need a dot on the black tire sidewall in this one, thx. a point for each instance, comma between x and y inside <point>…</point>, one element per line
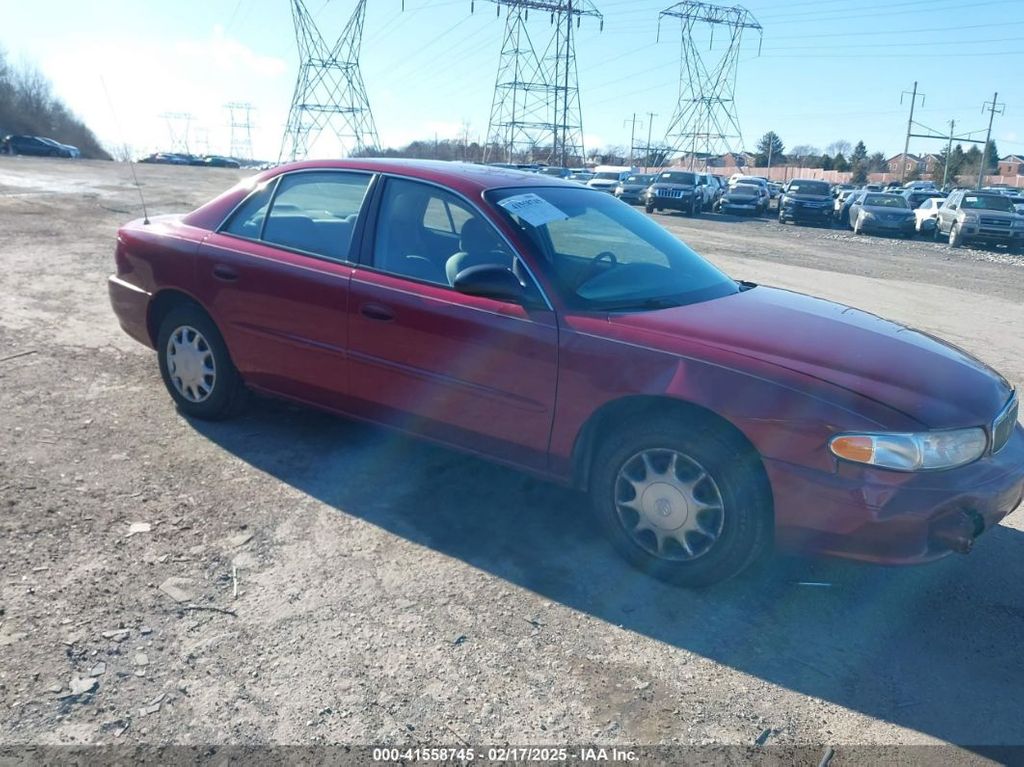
<point>227,383</point>
<point>736,470</point>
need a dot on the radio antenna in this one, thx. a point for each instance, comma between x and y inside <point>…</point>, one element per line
<point>124,145</point>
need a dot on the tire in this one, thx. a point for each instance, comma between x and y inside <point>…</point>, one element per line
<point>210,387</point>
<point>649,208</point>
<point>782,219</point>
<point>857,226</point>
<point>955,238</point>
<point>733,489</point>
<point>694,208</point>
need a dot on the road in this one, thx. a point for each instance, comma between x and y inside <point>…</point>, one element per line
<point>395,592</point>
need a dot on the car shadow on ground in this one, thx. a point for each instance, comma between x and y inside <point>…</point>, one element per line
<point>936,649</point>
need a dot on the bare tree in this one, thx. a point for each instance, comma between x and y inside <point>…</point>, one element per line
<point>842,146</point>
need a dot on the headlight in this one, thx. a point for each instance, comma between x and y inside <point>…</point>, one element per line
<point>867,213</point>
<point>912,452</point>
<point>1018,224</point>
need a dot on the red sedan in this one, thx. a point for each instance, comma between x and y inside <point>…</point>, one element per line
<point>554,328</point>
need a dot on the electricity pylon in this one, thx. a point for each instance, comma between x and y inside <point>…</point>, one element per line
<point>179,126</point>
<point>329,92</point>
<point>535,114</point>
<point>240,121</point>
<point>705,121</point>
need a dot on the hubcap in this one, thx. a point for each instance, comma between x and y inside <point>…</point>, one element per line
<point>669,505</point>
<point>190,364</point>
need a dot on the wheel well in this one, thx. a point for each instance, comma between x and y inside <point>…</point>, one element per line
<point>161,306</point>
<point>629,408</point>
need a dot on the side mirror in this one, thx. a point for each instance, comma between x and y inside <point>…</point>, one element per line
<point>490,281</point>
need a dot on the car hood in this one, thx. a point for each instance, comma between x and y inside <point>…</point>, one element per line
<point>926,379</point>
<point>810,197</point>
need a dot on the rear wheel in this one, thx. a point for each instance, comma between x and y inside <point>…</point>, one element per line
<point>195,365</point>
<point>682,500</point>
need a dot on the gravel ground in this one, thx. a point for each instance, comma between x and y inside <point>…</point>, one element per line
<point>288,577</point>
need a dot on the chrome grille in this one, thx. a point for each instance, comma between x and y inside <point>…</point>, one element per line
<point>989,221</point>
<point>1002,427</point>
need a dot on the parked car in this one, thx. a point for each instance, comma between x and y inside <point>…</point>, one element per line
<point>837,189</point>
<point>581,176</point>
<point>632,188</point>
<point>1018,203</point>
<point>873,188</point>
<point>926,213</point>
<point>919,185</point>
<point>775,190</point>
<point>33,146</point>
<point>674,190</point>
<point>839,212</point>
<point>882,212</point>
<point>968,216</point>
<point>551,328</point>
<point>66,150</point>
<point>166,158</point>
<point>556,171</point>
<point>216,161</point>
<point>749,199</point>
<point>709,190</point>
<point>916,196</point>
<point>607,177</point>
<point>806,201</point>
<point>851,198</point>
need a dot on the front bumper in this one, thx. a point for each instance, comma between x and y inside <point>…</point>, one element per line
<point>899,226</point>
<point>684,202</point>
<point>893,518</point>
<point>982,233</point>
<point>814,214</point>
<point>739,207</point>
<point>131,307</point>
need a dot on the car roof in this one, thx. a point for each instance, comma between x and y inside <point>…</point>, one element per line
<point>468,178</point>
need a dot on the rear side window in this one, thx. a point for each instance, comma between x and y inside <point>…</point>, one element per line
<point>316,212</point>
<point>247,221</point>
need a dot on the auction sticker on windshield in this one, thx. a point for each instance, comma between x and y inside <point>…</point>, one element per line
<point>534,210</point>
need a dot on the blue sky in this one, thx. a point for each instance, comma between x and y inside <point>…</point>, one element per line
<point>828,69</point>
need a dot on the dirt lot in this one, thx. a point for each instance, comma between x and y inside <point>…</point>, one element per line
<point>392,592</point>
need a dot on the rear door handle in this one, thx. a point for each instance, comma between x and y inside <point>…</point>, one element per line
<point>377,312</point>
<point>225,273</point>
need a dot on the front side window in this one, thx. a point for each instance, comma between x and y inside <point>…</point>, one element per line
<point>426,233</point>
<point>603,255</point>
<point>316,212</point>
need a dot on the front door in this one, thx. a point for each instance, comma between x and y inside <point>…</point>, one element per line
<point>476,372</point>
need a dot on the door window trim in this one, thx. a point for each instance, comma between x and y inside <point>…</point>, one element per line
<point>368,242</point>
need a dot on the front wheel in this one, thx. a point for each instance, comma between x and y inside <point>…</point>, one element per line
<point>955,237</point>
<point>858,225</point>
<point>684,501</point>
<point>195,365</point>
<point>649,208</point>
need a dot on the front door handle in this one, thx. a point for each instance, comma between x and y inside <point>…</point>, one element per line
<point>225,273</point>
<point>377,312</point>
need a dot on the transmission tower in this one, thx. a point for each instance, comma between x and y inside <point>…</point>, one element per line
<point>536,112</point>
<point>179,126</point>
<point>329,92</point>
<point>705,121</point>
<point>240,121</point>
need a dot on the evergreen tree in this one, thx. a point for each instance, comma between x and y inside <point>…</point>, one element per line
<point>860,153</point>
<point>840,163</point>
<point>769,145</point>
<point>826,162</point>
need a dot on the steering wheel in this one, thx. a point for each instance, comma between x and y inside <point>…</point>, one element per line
<point>595,265</point>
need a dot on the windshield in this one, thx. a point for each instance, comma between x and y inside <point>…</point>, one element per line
<point>988,202</point>
<point>607,176</point>
<point>745,190</point>
<point>604,255</point>
<point>554,171</point>
<point>809,187</point>
<point>884,201</point>
<point>675,177</point>
<point>638,180</point>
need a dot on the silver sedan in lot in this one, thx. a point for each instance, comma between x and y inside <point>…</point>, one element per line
<point>883,213</point>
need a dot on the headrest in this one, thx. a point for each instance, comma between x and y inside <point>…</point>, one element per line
<point>478,237</point>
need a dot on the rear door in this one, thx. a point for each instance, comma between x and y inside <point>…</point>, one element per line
<point>275,278</point>
<point>471,371</point>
